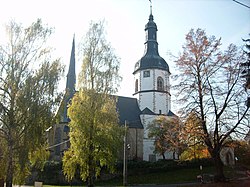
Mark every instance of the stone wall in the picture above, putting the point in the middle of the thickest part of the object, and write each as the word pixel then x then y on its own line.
pixel 135 141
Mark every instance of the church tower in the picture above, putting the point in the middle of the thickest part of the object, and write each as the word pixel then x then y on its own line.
pixel 58 134
pixel 151 75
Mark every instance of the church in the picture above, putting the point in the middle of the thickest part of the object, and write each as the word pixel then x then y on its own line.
pixel 151 98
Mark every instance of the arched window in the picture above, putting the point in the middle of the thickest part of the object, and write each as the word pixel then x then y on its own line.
pixel 160 84
pixel 136 85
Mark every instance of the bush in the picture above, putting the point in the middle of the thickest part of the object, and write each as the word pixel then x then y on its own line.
pixel 52 173
pixel 142 167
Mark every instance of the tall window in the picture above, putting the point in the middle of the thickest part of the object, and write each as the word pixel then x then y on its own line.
pixel 136 85
pixel 160 84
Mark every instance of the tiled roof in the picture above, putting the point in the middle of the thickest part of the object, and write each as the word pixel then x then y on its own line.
pixel 129 110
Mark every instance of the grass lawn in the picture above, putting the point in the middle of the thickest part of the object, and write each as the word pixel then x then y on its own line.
pixel 167 177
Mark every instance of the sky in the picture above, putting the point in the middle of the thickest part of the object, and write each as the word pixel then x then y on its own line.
pixel 126 21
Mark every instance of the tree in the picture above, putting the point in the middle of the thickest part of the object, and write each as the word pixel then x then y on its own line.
pixel 28 96
pixel 246 65
pixel 194 137
pixel 166 131
pixel 246 70
pixel 242 152
pixel 100 67
pixel 95 135
pixel 2 156
pixel 209 82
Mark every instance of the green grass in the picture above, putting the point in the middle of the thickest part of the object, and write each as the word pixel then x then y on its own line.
pixel 167 177
pixel 170 177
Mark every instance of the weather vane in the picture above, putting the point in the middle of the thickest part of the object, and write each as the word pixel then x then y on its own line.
pixel 150 6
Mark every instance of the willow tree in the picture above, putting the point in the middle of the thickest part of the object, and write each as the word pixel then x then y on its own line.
pixel 28 82
pixel 95 135
pixel 209 82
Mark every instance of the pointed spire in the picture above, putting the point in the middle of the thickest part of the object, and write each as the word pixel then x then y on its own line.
pixel 70 84
pixel 71 77
pixel 151 57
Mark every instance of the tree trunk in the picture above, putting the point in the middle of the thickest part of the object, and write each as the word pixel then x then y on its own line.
pixel 173 155
pixel 10 170
pixel 163 156
pixel 91 168
pixel 90 181
pixel 91 159
pixel 219 175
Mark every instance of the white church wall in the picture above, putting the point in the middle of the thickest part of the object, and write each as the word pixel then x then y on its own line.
pixel 161 103
pixel 148 150
pixel 146 120
pixel 146 100
pixel 147 82
pixel 158 102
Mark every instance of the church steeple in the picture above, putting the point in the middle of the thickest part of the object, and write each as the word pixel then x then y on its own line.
pixel 71 77
pixel 151 74
pixel 70 84
pixel 151 45
pixel 151 58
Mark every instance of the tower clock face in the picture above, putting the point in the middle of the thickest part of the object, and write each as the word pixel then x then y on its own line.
pixel 146 73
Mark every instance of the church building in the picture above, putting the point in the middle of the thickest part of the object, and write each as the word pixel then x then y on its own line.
pixel 151 98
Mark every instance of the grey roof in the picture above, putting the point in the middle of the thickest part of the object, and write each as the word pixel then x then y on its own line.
pixel 151 61
pixel 147 111
pixel 129 110
pixel 151 58
pixel 170 113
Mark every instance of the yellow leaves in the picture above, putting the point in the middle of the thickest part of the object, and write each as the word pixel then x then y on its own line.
pixel 95 135
pixel 39 156
pixel 166 132
pixel 69 164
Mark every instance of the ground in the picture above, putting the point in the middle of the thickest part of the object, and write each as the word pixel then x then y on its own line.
pixel 235 183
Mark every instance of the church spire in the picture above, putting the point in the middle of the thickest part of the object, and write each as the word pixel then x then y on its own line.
pixel 151 45
pixel 151 58
pixel 71 77
pixel 70 84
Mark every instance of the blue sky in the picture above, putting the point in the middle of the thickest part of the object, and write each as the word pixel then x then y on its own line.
pixel 126 20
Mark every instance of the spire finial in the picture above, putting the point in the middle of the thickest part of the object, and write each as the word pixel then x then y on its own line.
pixel 150 7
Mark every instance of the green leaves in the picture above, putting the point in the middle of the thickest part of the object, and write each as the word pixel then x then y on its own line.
pixel 100 68
pixel 28 94
pixel 95 135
